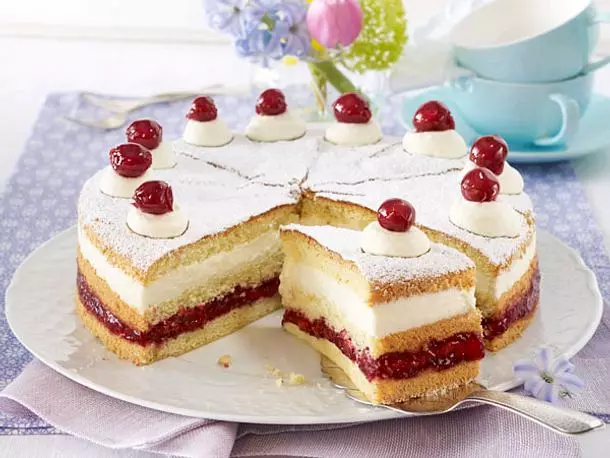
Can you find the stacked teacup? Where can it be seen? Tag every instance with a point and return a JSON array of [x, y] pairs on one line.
[[531, 68]]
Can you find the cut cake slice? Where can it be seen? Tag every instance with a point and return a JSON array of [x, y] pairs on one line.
[[398, 327]]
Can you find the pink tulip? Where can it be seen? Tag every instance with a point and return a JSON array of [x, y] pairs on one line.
[[334, 23]]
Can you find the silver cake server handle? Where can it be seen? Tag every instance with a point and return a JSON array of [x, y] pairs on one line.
[[557, 419]]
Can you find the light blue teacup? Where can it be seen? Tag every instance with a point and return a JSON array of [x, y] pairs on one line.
[[538, 114], [529, 41]]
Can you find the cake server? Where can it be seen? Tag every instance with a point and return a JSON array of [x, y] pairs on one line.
[[557, 419]]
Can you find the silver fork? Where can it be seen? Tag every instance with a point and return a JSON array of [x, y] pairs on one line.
[[122, 104], [123, 107], [114, 121], [557, 419], [126, 105]]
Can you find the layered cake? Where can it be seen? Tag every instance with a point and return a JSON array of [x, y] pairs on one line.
[[178, 249], [396, 312], [344, 190]]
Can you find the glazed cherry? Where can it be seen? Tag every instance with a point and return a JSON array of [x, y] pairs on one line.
[[202, 109], [490, 152], [480, 185], [352, 108], [396, 215], [433, 116], [130, 160], [145, 132], [154, 197], [271, 102]]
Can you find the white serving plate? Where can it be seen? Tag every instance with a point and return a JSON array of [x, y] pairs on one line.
[[40, 311]]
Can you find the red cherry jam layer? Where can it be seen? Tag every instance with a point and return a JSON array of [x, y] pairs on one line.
[[437, 355], [185, 320], [522, 307]]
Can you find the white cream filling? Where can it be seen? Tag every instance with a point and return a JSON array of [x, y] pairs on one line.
[[511, 181], [447, 144], [388, 318], [163, 156], [285, 126], [506, 279], [207, 133], [351, 134], [113, 184], [141, 297]]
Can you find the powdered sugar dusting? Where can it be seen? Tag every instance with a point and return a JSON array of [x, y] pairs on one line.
[[275, 163], [440, 260], [381, 162], [520, 202], [221, 187], [211, 207], [432, 197]]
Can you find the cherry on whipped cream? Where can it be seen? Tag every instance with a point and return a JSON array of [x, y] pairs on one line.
[[130, 160], [433, 116], [145, 132], [396, 215], [271, 102], [154, 197], [352, 108], [490, 152], [480, 185], [202, 109]]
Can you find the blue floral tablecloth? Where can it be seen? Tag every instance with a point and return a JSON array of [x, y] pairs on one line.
[[40, 200]]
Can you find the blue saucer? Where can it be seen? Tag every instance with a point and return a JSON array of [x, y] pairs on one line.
[[593, 135]]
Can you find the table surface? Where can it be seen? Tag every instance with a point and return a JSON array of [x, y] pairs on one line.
[[33, 67]]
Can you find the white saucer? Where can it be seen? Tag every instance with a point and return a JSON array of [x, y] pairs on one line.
[[40, 311], [593, 134]]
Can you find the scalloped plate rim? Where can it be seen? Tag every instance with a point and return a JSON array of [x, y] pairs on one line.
[[382, 414]]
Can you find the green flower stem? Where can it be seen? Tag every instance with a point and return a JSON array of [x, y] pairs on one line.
[[319, 83], [334, 76]]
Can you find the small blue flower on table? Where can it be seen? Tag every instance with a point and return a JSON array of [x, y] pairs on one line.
[[548, 378]]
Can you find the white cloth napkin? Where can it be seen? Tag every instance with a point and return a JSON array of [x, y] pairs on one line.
[[84, 413]]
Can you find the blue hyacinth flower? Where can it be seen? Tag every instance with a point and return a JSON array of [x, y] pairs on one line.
[[292, 26], [259, 44], [546, 377], [226, 15]]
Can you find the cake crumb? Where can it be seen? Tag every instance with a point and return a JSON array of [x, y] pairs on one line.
[[281, 379], [296, 379], [225, 361], [273, 370]]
